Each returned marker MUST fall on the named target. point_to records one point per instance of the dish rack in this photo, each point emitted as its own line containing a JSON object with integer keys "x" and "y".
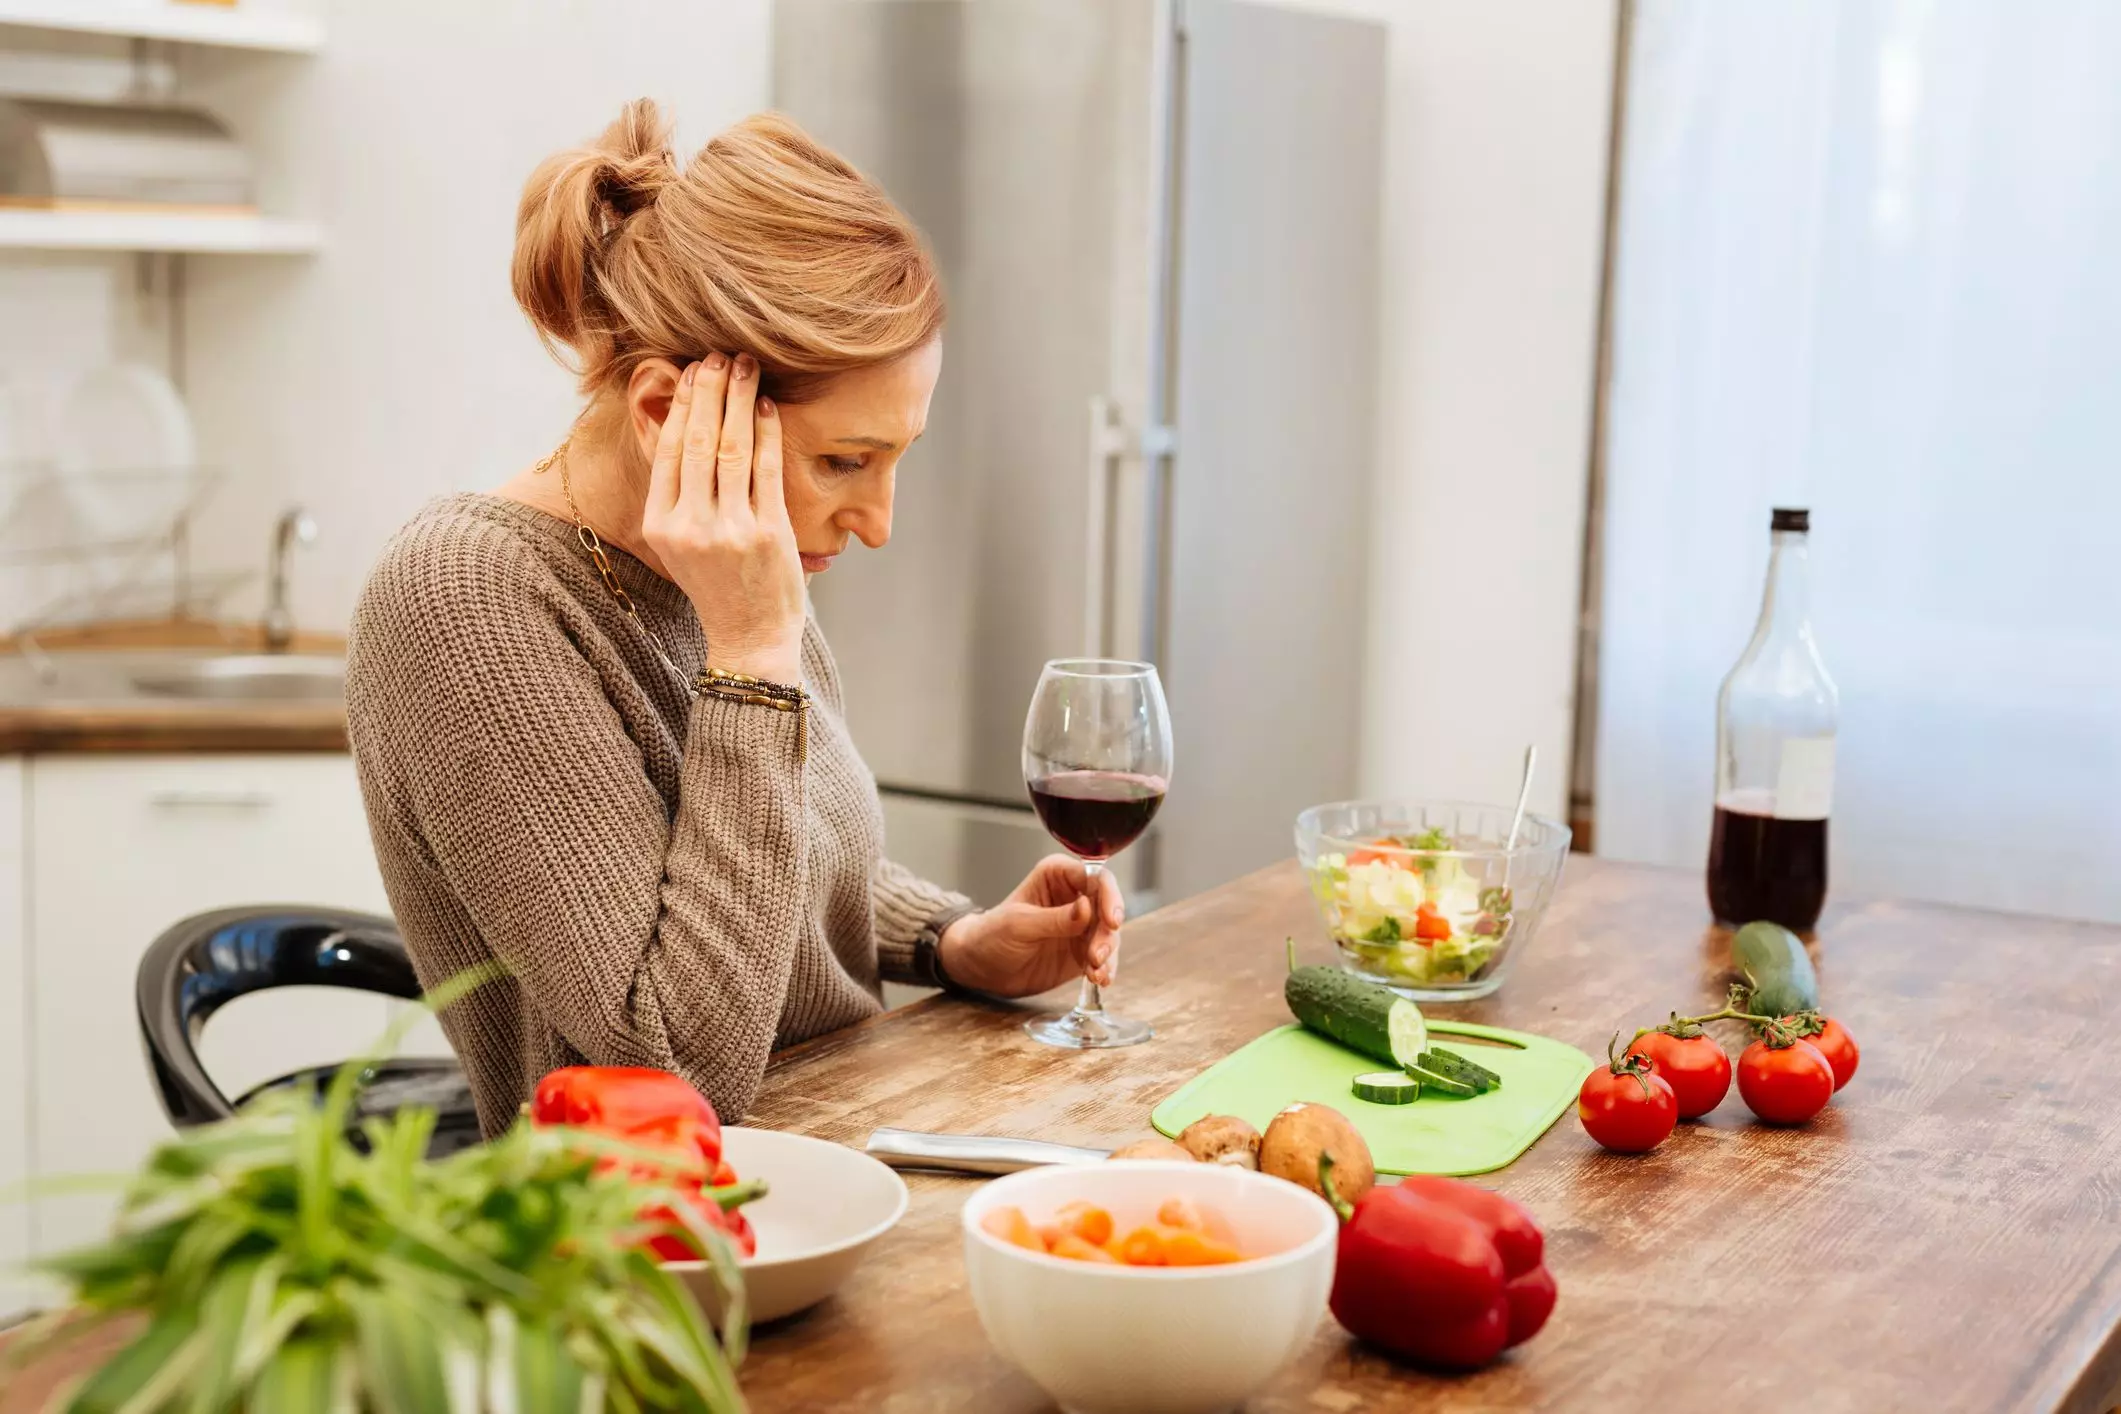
{"x": 78, "y": 545}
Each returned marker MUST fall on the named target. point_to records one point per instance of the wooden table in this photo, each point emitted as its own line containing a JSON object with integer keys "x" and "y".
{"x": 1946, "y": 1236}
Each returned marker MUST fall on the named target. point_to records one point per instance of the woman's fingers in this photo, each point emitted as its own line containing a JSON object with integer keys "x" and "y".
{"x": 1067, "y": 920}
{"x": 1110, "y": 903}
{"x": 670, "y": 447}
{"x": 766, "y": 498}
{"x": 703, "y": 430}
{"x": 732, "y": 457}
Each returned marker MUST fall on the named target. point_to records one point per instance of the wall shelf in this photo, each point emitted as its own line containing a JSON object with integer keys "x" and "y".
{"x": 229, "y": 26}
{"x": 181, "y": 233}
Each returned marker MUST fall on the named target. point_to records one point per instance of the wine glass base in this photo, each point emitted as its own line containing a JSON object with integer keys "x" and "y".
{"x": 1088, "y": 1030}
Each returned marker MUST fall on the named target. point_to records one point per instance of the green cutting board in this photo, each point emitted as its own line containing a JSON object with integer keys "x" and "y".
{"x": 1435, "y": 1134}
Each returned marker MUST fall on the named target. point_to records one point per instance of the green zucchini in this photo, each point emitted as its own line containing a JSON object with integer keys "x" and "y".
{"x": 1387, "y": 1087}
{"x": 1457, "y": 1067}
{"x": 1776, "y": 969}
{"x": 1360, "y": 1015}
{"x": 1437, "y": 1084}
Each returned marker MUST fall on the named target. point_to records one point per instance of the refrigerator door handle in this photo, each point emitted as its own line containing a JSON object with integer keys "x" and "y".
{"x": 1107, "y": 442}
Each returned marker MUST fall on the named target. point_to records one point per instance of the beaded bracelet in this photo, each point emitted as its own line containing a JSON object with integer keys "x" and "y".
{"x": 757, "y": 692}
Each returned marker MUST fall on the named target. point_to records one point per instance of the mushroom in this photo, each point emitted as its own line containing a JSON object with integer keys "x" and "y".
{"x": 1152, "y": 1149}
{"x": 1302, "y": 1133}
{"x": 1222, "y": 1139}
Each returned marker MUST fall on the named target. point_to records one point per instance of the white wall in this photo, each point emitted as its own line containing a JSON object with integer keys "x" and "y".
{"x": 1494, "y": 202}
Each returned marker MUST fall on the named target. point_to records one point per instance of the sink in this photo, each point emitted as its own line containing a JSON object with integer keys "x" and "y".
{"x": 273, "y": 677}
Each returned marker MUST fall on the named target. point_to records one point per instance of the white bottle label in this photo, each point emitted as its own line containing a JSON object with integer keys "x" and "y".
{"x": 1804, "y": 783}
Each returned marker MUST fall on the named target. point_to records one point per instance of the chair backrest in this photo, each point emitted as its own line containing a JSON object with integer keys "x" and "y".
{"x": 207, "y": 961}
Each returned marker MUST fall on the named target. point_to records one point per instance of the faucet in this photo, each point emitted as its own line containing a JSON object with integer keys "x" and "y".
{"x": 294, "y": 525}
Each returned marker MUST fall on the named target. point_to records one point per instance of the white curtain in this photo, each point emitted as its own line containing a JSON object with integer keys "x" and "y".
{"x": 1869, "y": 261}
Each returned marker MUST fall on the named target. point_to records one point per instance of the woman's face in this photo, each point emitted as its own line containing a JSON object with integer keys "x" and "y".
{"x": 840, "y": 452}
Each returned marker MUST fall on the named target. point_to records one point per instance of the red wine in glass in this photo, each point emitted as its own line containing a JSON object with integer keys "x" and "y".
{"x": 1097, "y": 761}
{"x": 1096, "y": 814}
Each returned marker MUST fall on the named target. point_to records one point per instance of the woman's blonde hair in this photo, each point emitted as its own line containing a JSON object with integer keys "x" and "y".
{"x": 766, "y": 243}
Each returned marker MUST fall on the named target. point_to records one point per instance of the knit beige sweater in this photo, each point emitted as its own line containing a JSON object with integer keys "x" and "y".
{"x": 667, "y": 883}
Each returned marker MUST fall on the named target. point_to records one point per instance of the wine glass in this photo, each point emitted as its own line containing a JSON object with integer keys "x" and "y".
{"x": 1097, "y": 758}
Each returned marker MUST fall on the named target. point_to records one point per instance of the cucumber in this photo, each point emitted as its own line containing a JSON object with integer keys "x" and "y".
{"x": 1387, "y": 1087}
{"x": 1776, "y": 968}
{"x": 1437, "y": 1084}
{"x": 1360, "y": 1015}
{"x": 1455, "y": 1066}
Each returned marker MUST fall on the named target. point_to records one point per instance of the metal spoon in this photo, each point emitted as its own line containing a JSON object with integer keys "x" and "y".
{"x": 1524, "y": 793}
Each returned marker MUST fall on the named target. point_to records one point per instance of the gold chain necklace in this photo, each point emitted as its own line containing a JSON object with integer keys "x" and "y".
{"x": 715, "y": 682}
{"x": 598, "y": 557}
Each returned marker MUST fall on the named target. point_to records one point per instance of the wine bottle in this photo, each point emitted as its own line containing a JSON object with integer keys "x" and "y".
{"x": 1776, "y": 719}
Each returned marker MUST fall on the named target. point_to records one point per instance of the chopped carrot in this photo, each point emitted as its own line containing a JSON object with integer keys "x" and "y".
{"x": 1077, "y": 1250}
{"x": 1087, "y": 1221}
{"x": 1011, "y": 1226}
{"x": 1143, "y": 1247}
{"x": 1048, "y": 1234}
{"x": 1181, "y": 1212}
{"x": 1184, "y": 1247}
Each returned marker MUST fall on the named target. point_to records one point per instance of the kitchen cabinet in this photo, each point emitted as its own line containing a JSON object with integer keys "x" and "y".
{"x": 122, "y": 846}
{"x": 14, "y": 1042}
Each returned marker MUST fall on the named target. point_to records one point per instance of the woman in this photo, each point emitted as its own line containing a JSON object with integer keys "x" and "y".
{"x": 599, "y": 737}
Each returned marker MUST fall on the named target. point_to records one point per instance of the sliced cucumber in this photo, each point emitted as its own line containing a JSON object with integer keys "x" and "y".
{"x": 1437, "y": 1084}
{"x": 1387, "y": 1087}
{"x": 1457, "y": 1067}
{"x": 1360, "y": 1015}
{"x": 1409, "y": 1032}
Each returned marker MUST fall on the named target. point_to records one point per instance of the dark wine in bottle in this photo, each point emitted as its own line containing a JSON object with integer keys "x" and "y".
{"x": 1776, "y": 719}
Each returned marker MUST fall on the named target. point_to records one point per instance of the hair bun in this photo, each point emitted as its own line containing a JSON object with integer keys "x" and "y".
{"x": 638, "y": 160}
{"x": 572, "y": 207}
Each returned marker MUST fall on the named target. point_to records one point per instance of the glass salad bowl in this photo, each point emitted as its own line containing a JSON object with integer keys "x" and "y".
{"x": 1422, "y": 896}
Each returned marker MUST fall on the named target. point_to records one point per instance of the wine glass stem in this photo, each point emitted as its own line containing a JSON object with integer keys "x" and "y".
{"x": 1091, "y": 1001}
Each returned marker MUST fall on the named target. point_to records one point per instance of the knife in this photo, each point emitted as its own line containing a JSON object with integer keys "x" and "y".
{"x": 972, "y": 1153}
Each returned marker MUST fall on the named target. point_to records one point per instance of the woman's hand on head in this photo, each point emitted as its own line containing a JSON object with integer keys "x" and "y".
{"x": 1046, "y": 933}
{"x": 717, "y": 519}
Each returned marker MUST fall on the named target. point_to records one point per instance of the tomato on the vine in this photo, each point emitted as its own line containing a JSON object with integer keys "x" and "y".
{"x": 1833, "y": 1041}
{"x": 1627, "y": 1106}
{"x": 1695, "y": 1067}
{"x": 1786, "y": 1084}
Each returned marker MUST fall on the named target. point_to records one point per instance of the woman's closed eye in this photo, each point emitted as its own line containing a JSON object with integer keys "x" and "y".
{"x": 841, "y": 466}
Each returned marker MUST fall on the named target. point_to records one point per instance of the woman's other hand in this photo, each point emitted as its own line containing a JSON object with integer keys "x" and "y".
{"x": 717, "y": 519}
{"x": 1047, "y": 932}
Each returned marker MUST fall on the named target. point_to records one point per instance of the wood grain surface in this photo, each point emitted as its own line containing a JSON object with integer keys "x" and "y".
{"x": 1947, "y": 1236}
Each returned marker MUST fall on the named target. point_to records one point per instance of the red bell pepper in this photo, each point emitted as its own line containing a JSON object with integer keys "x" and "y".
{"x": 718, "y": 1206}
{"x": 1443, "y": 1273}
{"x": 659, "y": 1111}
{"x": 652, "y": 1108}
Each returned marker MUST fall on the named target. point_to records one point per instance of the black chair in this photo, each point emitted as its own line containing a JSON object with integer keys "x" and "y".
{"x": 209, "y": 960}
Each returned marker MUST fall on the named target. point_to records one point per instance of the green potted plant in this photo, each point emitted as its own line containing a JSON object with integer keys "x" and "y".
{"x": 281, "y": 1268}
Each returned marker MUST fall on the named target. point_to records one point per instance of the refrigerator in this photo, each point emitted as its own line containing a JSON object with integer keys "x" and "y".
{"x": 1158, "y": 226}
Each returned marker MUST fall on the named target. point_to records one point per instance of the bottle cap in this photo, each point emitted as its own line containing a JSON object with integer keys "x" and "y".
{"x": 1787, "y": 518}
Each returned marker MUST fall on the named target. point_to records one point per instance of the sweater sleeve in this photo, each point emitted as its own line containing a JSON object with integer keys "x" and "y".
{"x": 643, "y": 937}
{"x": 911, "y": 914}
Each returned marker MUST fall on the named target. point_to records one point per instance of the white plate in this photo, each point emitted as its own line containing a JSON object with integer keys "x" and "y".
{"x": 124, "y": 440}
{"x": 825, "y": 1205}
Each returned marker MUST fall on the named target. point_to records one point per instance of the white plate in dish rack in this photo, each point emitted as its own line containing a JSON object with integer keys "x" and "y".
{"x": 124, "y": 441}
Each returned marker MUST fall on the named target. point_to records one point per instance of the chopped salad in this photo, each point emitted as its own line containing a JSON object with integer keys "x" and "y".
{"x": 1415, "y": 916}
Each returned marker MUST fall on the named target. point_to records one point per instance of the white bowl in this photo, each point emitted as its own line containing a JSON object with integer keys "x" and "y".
{"x": 825, "y": 1205}
{"x": 1147, "y": 1340}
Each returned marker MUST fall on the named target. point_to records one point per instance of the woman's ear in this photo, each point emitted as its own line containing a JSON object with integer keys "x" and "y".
{"x": 648, "y": 395}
